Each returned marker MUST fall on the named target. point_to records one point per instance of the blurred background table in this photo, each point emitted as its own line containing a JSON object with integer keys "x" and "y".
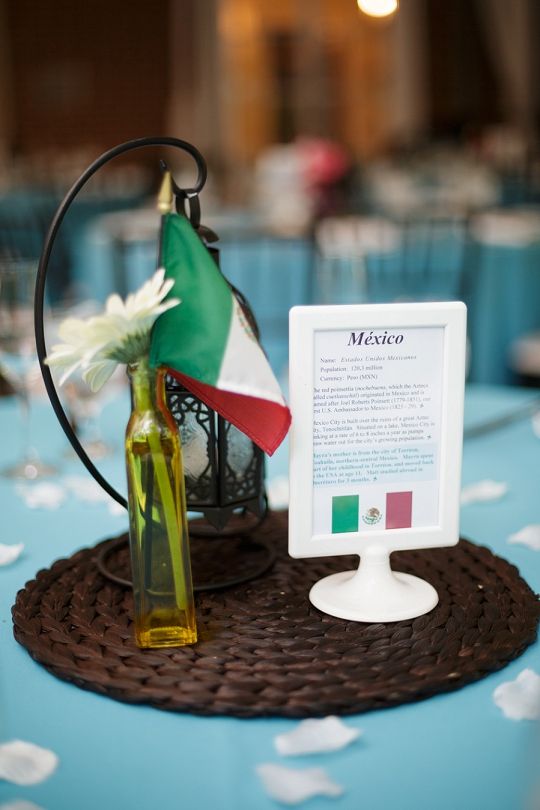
{"x": 454, "y": 750}
{"x": 490, "y": 260}
{"x": 502, "y": 289}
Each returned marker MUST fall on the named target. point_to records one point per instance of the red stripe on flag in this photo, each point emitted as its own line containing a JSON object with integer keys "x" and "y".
{"x": 398, "y": 510}
{"x": 265, "y": 422}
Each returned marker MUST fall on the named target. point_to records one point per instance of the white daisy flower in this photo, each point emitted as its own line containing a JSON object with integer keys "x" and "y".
{"x": 120, "y": 335}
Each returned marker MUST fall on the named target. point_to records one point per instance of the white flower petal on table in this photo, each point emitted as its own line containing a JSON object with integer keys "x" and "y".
{"x": 293, "y": 785}
{"x": 528, "y": 536}
{"x": 482, "y": 491}
{"x": 85, "y": 488}
{"x": 24, "y": 763}
{"x": 44, "y": 495}
{"x": 520, "y": 699}
{"x": 116, "y": 508}
{"x": 278, "y": 492}
{"x": 8, "y": 554}
{"x": 314, "y": 736}
{"x": 20, "y": 804}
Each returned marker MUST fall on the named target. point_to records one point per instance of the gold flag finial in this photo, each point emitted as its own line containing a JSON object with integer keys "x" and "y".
{"x": 165, "y": 196}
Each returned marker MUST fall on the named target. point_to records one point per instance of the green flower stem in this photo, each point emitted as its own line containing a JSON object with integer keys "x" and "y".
{"x": 144, "y": 402}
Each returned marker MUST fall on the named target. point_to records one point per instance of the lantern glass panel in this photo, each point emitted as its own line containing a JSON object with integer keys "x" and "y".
{"x": 196, "y": 424}
{"x": 242, "y": 467}
{"x": 239, "y": 452}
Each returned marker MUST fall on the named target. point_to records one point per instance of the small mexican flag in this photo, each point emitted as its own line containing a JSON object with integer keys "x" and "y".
{"x": 208, "y": 345}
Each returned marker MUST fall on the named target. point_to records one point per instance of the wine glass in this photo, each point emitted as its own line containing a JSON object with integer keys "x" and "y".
{"x": 18, "y": 360}
{"x": 84, "y": 408}
{"x": 82, "y": 405}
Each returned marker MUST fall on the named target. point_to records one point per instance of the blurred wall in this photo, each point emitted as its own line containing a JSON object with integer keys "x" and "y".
{"x": 84, "y": 72}
{"x": 304, "y": 67}
{"x": 193, "y": 108}
{"x": 235, "y": 76}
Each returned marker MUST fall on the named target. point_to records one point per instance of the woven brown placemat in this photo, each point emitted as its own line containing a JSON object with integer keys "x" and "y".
{"x": 265, "y": 650}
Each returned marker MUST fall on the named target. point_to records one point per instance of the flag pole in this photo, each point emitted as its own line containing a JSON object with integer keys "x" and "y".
{"x": 164, "y": 204}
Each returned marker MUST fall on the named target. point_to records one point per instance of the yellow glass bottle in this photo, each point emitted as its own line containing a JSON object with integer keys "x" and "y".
{"x": 164, "y": 610}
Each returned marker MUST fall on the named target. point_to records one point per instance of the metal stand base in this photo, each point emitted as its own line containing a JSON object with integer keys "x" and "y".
{"x": 250, "y": 559}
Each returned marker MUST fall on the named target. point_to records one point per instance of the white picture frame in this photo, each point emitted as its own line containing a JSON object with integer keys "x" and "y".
{"x": 437, "y": 332}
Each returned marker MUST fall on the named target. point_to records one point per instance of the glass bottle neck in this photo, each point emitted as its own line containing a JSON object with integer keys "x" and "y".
{"x": 143, "y": 385}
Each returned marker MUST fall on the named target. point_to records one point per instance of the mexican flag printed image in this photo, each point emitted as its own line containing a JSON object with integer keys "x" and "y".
{"x": 390, "y": 510}
{"x": 208, "y": 345}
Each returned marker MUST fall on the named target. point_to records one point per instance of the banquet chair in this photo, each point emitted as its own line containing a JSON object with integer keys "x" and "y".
{"x": 524, "y": 359}
{"x": 22, "y": 235}
{"x": 342, "y": 245}
{"x": 274, "y": 274}
{"x": 428, "y": 264}
{"x": 377, "y": 260}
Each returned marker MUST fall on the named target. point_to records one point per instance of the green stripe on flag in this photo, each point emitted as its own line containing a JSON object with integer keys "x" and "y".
{"x": 344, "y": 513}
{"x": 191, "y": 337}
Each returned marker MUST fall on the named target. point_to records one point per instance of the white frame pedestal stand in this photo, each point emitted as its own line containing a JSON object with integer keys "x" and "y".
{"x": 373, "y": 593}
{"x": 328, "y": 346}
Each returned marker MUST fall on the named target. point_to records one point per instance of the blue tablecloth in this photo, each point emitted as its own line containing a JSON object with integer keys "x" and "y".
{"x": 503, "y": 298}
{"x": 274, "y": 275}
{"x": 453, "y": 751}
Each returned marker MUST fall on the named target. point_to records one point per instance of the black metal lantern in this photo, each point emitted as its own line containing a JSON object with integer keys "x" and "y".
{"x": 223, "y": 468}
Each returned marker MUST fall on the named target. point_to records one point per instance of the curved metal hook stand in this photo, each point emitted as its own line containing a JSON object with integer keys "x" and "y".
{"x": 42, "y": 275}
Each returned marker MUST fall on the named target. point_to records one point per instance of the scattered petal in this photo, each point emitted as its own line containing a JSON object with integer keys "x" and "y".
{"x": 116, "y": 508}
{"x": 89, "y": 491}
{"x": 292, "y": 786}
{"x": 8, "y": 554}
{"x": 520, "y": 699}
{"x": 85, "y": 488}
{"x": 278, "y": 492}
{"x": 42, "y": 496}
{"x": 315, "y": 736}
{"x": 24, "y": 763}
{"x": 483, "y": 491}
{"x": 20, "y": 804}
{"x": 528, "y": 536}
